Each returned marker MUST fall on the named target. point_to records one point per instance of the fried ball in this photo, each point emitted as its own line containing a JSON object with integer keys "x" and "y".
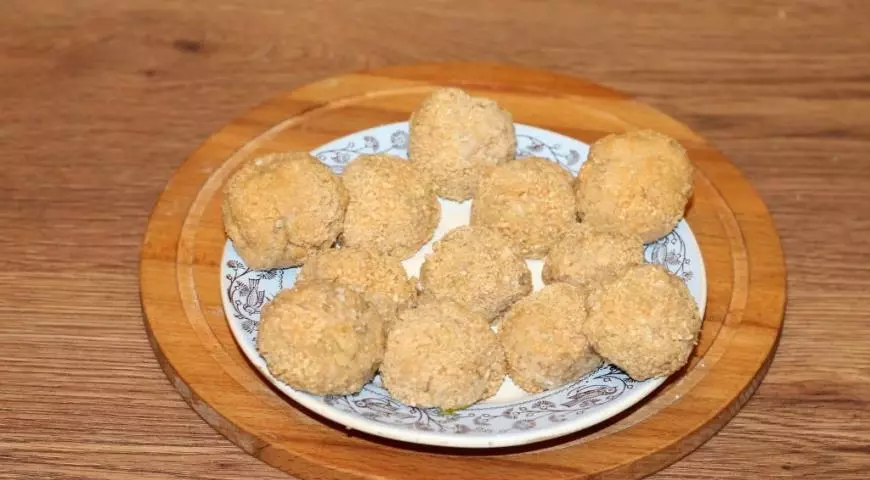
{"x": 442, "y": 355}
{"x": 381, "y": 279}
{"x": 645, "y": 322}
{"x": 457, "y": 138}
{"x": 543, "y": 339}
{"x": 280, "y": 208}
{"x": 529, "y": 200}
{"x": 636, "y": 183}
{"x": 587, "y": 258}
{"x": 322, "y": 338}
{"x": 477, "y": 268}
{"x": 393, "y": 209}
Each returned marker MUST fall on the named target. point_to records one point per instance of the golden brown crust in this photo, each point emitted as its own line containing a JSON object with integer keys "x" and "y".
{"x": 280, "y": 208}
{"x": 636, "y": 183}
{"x": 457, "y": 138}
{"x": 442, "y": 355}
{"x": 393, "y": 208}
{"x": 477, "y": 268}
{"x": 321, "y": 338}
{"x": 645, "y": 322}
{"x": 588, "y": 258}
{"x": 529, "y": 201}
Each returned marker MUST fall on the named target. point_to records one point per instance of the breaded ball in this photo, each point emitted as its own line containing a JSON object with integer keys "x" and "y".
{"x": 280, "y": 208}
{"x": 381, "y": 279}
{"x": 477, "y": 268}
{"x": 322, "y": 338}
{"x": 645, "y": 322}
{"x": 457, "y": 138}
{"x": 393, "y": 209}
{"x": 636, "y": 183}
{"x": 529, "y": 200}
{"x": 587, "y": 258}
{"x": 442, "y": 355}
{"x": 543, "y": 339}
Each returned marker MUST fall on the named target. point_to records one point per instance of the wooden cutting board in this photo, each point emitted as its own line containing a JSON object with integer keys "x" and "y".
{"x": 180, "y": 277}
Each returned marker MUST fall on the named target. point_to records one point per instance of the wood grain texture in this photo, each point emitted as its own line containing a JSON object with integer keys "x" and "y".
{"x": 181, "y": 263}
{"x": 100, "y": 101}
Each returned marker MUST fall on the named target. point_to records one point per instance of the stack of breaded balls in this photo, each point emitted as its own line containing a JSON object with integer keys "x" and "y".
{"x": 449, "y": 338}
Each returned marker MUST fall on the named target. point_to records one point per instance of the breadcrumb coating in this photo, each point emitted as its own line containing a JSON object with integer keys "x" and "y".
{"x": 381, "y": 279}
{"x": 587, "y": 258}
{"x": 457, "y": 138}
{"x": 645, "y": 322}
{"x": 321, "y": 338}
{"x": 635, "y": 183}
{"x": 442, "y": 355}
{"x": 393, "y": 208}
{"x": 477, "y": 268}
{"x": 354, "y": 310}
{"x": 529, "y": 200}
{"x": 543, "y": 339}
{"x": 280, "y": 208}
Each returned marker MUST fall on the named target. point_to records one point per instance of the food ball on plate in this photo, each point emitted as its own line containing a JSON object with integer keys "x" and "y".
{"x": 280, "y": 208}
{"x": 442, "y": 355}
{"x": 477, "y": 268}
{"x": 381, "y": 279}
{"x": 322, "y": 338}
{"x": 543, "y": 339}
{"x": 457, "y": 138}
{"x": 587, "y": 258}
{"x": 645, "y": 322}
{"x": 529, "y": 200}
{"x": 636, "y": 183}
{"x": 393, "y": 209}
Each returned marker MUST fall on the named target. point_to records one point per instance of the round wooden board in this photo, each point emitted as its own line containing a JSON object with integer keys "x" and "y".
{"x": 185, "y": 321}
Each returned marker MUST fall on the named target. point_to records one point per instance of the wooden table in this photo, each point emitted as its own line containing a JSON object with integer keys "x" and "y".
{"x": 100, "y": 101}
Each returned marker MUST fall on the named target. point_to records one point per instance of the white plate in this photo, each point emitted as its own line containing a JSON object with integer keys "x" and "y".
{"x": 512, "y": 417}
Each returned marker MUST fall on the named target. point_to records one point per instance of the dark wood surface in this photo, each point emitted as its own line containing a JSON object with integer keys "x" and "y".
{"x": 100, "y": 101}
